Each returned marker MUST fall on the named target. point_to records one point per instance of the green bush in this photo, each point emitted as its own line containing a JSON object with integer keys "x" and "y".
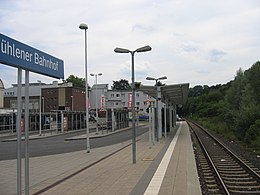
{"x": 232, "y": 109}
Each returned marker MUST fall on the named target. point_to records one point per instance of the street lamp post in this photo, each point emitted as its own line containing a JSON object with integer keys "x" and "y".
{"x": 72, "y": 112}
{"x": 40, "y": 109}
{"x": 156, "y": 104}
{"x": 121, "y": 50}
{"x": 42, "y": 99}
{"x": 96, "y": 75}
{"x": 85, "y": 27}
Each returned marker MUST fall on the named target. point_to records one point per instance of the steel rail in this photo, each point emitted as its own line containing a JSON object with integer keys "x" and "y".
{"x": 239, "y": 160}
{"x": 236, "y": 159}
{"x": 223, "y": 185}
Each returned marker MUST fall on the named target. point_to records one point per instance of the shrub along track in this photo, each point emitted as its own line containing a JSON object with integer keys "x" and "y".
{"x": 220, "y": 170}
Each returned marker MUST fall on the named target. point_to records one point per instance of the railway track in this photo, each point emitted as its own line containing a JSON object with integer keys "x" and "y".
{"x": 222, "y": 172}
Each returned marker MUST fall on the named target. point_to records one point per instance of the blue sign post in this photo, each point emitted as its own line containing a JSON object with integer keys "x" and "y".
{"x": 17, "y": 54}
{"x": 24, "y": 57}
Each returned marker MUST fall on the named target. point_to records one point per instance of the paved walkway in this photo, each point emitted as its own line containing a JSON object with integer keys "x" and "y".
{"x": 181, "y": 176}
{"x": 99, "y": 172}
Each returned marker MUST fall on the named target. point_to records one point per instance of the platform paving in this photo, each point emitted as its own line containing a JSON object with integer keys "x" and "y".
{"x": 181, "y": 176}
{"x": 98, "y": 172}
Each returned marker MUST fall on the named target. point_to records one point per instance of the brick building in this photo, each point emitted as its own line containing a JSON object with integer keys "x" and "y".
{"x": 63, "y": 98}
{"x": 54, "y": 96}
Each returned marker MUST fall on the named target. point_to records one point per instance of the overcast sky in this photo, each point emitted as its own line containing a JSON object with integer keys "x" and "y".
{"x": 200, "y": 42}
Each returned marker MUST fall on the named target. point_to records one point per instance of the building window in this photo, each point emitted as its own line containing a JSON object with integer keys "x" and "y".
{"x": 137, "y": 103}
{"x": 117, "y": 95}
{"x": 137, "y": 94}
{"x": 112, "y": 95}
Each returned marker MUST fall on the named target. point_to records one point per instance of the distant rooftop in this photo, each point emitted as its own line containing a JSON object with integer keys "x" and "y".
{"x": 177, "y": 93}
{"x": 1, "y": 84}
{"x": 100, "y": 86}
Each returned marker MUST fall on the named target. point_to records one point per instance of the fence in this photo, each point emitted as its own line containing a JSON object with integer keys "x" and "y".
{"x": 64, "y": 121}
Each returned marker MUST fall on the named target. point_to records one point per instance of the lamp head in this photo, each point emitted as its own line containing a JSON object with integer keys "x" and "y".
{"x": 121, "y": 50}
{"x": 150, "y": 78}
{"x": 144, "y": 49}
{"x": 162, "y": 78}
{"x": 83, "y": 26}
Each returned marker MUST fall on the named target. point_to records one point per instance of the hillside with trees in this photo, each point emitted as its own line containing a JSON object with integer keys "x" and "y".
{"x": 122, "y": 84}
{"x": 76, "y": 81}
{"x": 232, "y": 109}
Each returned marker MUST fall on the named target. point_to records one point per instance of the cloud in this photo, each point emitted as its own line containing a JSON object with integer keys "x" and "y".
{"x": 216, "y": 55}
{"x": 142, "y": 70}
{"x": 185, "y": 36}
{"x": 142, "y": 28}
{"x": 189, "y": 47}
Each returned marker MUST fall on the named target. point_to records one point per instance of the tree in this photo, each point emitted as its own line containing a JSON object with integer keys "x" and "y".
{"x": 122, "y": 84}
{"x": 137, "y": 85}
{"x": 232, "y": 109}
{"x": 234, "y": 94}
{"x": 76, "y": 81}
{"x": 253, "y": 76}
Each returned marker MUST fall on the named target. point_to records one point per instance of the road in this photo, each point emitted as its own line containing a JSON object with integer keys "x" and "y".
{"x": 57, "y": 145}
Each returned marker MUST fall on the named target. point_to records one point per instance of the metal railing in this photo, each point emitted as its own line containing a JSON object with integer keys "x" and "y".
{"x": 52, "y": 122}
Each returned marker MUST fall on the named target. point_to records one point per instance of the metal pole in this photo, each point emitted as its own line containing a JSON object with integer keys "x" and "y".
{"x": 62, "y": 122}
{"x": 86, "y": 85}
{"x": 106, "y": 119}
{"x": 18, "y": 132}
{"x": 26, "y": 121}
{"x": 13, "y": 121}
{"x": 165, "y": 123}
{"x": 113, "y": 119}
{"x": 170, "y": 115}
{"x": 156, "y": 113}
{"x": 96, "y": 106}
{"x": 159, "y": 114}
{"x": 56, "y": 121}
{"x": 150, "y": 127}
{"x": 72, "y": 112}
{"x": 153, "y": 125}
{"x": 133, "y": 110}
{"x": 40, "y": 113}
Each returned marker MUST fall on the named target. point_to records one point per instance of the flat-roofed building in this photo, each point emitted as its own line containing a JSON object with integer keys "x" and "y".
{"x": 54, "y": 96}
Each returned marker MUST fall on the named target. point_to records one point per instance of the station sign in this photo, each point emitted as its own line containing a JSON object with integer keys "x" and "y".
{"x": 19, "y": 55}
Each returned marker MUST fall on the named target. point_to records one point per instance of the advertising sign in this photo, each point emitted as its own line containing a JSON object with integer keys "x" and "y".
{"x": 17, "y": 54}
{"x": 103, "y": 102}
{"x": 129, "y": 100}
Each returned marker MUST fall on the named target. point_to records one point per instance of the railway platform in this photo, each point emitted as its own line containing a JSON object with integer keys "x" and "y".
{"x": 167, "y": 167}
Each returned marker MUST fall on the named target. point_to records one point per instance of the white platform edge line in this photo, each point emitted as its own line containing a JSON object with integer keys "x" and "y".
{"x": 156, "y": 182}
